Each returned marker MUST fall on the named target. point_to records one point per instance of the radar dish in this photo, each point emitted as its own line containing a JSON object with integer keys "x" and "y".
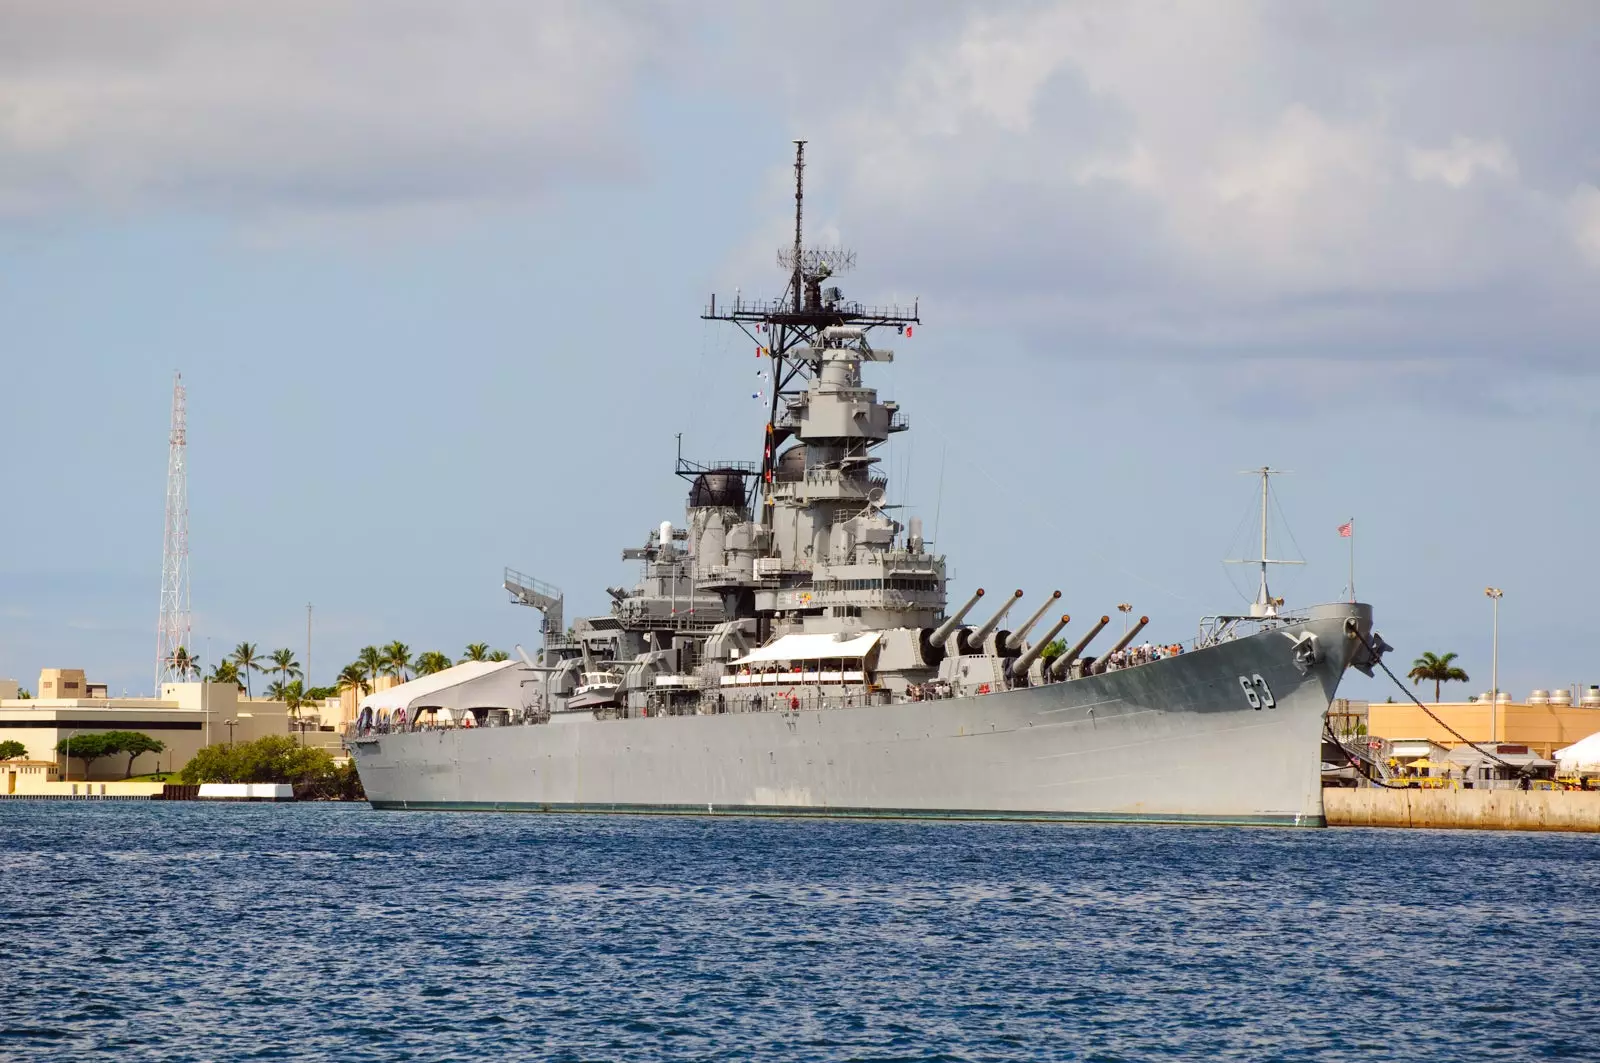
{"x": 818, "y": 262}
{"x": 875, "y": 498}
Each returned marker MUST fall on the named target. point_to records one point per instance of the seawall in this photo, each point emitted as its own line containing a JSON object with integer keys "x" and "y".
{"x": 1564, "y": 810}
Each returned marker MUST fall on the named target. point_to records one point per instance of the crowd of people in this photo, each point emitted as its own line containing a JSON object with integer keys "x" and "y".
{"x": 1136, "y": 655}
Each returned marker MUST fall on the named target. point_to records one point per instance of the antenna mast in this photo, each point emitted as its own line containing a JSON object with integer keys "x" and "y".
{"x": 799, "y": 199}
{"x": 1265, "y": 604}
{"x": 173, "y": 627}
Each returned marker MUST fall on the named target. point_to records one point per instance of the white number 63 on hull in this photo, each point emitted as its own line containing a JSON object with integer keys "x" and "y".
{"x": 1256, "y": 692}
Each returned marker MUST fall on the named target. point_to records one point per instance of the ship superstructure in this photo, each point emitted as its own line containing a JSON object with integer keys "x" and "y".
{"x": 792, "y": 613}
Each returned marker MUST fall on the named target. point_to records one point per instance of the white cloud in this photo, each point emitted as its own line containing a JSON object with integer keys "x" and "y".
{"x": 1461, "y": 161}
{"x": 314, "y": 105}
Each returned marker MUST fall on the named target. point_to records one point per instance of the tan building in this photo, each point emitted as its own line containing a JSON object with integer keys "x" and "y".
{"x": 187, "y": 717}
{"x": 1544, "y": 723}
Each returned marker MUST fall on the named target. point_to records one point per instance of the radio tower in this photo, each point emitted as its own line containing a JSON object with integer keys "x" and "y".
{"x": 172, "y": 630}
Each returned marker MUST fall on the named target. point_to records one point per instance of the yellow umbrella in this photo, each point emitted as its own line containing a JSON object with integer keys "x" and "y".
{"x": 1424, "y": 763}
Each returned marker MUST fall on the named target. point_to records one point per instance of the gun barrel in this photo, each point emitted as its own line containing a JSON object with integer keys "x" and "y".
{"x": 994, "y": 621}
{"x": 1017, "y": 636}
{"x": 1020, "y": 666}
{"x": 946, "y": 629}
{"x": 1129, "y": 636}
{"x": 1059, "y": 666}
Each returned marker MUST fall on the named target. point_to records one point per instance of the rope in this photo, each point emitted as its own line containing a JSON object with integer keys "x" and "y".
{"x": 1521, "y": 772}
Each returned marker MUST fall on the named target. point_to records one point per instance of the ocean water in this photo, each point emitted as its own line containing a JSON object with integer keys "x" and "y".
{"x": 238, "y": 932}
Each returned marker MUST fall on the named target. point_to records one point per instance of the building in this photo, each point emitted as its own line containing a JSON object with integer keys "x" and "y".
{"x": 1545, "y": 722}
{"x": 187, "y": 717}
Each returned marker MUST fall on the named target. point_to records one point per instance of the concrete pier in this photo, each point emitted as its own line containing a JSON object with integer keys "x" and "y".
{"x": 1563, "y": 810}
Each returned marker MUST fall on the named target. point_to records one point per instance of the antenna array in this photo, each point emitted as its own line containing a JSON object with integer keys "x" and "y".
{"x": 173, "y": 634}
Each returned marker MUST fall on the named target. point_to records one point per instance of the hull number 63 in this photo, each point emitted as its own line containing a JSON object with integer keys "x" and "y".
{"x": 1256, "y": 692}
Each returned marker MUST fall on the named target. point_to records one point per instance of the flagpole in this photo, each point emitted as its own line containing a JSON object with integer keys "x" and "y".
{"x": 1352, "y": 560}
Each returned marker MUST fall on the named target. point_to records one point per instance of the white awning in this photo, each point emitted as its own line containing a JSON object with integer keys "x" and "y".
{"x": 473, "y": 685}
{"x": 1583, "y": 755}
{"x": 811, "y": 648}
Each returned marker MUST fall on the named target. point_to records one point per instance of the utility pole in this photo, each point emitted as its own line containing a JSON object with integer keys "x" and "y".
{"x": 308, "y": 646}
{"x": 1496, "y": 594}
{"x": 173, "y": 625}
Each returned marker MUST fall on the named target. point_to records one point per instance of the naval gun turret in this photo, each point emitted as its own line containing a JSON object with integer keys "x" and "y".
{"x": 1060, "y": 666}
{"x": 973, "y": 641}
{"x": 1020, "y": 666}
{"x": 942, "y": 633}
{"x": 1016, "y": 639}
{"x": 1122, "y": 643}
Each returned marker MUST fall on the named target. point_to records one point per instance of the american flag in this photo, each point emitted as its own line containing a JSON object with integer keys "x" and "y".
{"x": 1347, "y": 530}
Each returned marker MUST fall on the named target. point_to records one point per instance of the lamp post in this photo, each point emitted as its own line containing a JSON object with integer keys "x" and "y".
{"x": 230, "y": 725}
{"x": 66, "y": 758}
{"x": 1124, "y": 608}
{"x": 1495, "y": 594}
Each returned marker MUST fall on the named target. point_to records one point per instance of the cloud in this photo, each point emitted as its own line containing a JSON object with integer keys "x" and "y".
{"x": 319, "y": 106}
{"x": 1312, "y": 179}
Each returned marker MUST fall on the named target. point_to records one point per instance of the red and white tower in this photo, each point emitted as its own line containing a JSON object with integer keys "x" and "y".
{"x": 174, "y": 651}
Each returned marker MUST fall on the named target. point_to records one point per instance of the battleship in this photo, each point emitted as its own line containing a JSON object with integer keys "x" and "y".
{"x": 790, "y": 650}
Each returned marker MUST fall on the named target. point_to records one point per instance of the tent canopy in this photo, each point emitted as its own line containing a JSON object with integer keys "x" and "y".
{"x": 1582, "y": 755}
{"x": 811, "y": 648}
{"x": 475, "y": 684}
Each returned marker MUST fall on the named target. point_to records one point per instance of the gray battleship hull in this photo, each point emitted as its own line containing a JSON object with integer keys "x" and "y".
{"x": 1175, "y": 741}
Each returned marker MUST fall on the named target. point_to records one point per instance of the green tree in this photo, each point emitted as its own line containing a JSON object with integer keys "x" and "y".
{"x": 134, "y": 743}
{"x": 226, "y": 672}
{"x": 371, "y": 659}
{"x": 499, "y": 655}
{"x": 1437, "y": 669}
{"x": 24, "y": 694}
{"x": 247, "y": 659}
{"x": 272, "y": 759}
{"x": 277, "y": 690}
{"x": 354, "y": 677}
{"x": 1053, "y": 650}
{"x": 476, "y": 651}
{"x": 87, "y": 748}
{"x": 186, "y": 664}
{"x": 11, "y": 749}
{"x": 397, "y": 660}
{"x": 284, "y": 666}
{"x": 431, "y": 662}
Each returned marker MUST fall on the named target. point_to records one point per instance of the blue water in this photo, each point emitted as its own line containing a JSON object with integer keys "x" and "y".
{"x": 191, "y": 932}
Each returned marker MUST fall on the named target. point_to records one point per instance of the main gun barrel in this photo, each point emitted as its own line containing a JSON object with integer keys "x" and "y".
{"x": 1128, "y": 636}
{"x": 977, "y": 637}
{"x": 1019, "y": 635}
{"x": 1059, "y": 666}
{"x": 946, "y": 629}
{"x": 1020, "y": 666}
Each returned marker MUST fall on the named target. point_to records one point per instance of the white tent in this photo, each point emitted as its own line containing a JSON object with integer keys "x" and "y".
{"x": 473, "y": 685}
{"x": 811, "y": 648}
{"x": 1583, "y": 755}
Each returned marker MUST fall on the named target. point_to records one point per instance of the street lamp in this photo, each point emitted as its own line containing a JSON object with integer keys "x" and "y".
{"x": 66, "y": 758}
{"x": 230, "y": 725}
{"x": 1495, "y": 593}
{"x": 1124, "y": 608}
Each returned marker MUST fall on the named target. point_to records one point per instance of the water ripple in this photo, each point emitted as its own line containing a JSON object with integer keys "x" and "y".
{"x": 189, "y": 932}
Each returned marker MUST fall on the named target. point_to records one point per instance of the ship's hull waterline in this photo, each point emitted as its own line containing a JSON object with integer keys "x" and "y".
{"x": 1173, "y": 741}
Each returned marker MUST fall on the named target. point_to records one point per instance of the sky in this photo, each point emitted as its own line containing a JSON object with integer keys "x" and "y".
{"x": 433, "y": 276}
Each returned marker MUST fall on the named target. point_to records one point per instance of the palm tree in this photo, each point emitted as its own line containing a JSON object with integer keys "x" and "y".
{"x": 499, "y": 655}
{"x": 431, "y": 662}
{"x": 476, "y": 651}
{"x": 397, "y": 660}
{"x": 246, "y": 658}
{"x": 1438, "y": 669}
{"x": 371, "y": 659}
{"x": 277, "y": 690}
{"x": 284, "y": 666}
{"x": 184, "y": 663}
{"x": 225, "y": 672}
{"x": 354, "y": 677}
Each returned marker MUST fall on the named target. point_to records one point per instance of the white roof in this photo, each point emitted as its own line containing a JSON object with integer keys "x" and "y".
{"x": 811, "y": 648}
{"x": 1582, "y": 755}
{"x": 475, "y": 684}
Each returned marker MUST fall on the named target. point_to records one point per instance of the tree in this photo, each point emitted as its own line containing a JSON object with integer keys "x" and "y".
{"x": 273, "y": 759}
{"x": 397, "y": 660}
{"x": 284, "y": 666}
{"x": 24, "y": 694}
{"x": 354, "y": 677}
{"x": 476, "y": 651}
{"x": 87, "y": 748}
{"x": 277, "y": 690}
{"x": 225, "y": 672}
{"x": 1438, "y": 669}
{"x": 1053, "y": 650}
{"x": 431, "y": 662}
{"x": 186, "y": 664}
{"x": 134, "y": 744}
{"x": 371, "y": 660}
{"x": 246, "y": 659}
{"x": 499, "y": 655}
{"x": 11, "y": 749}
